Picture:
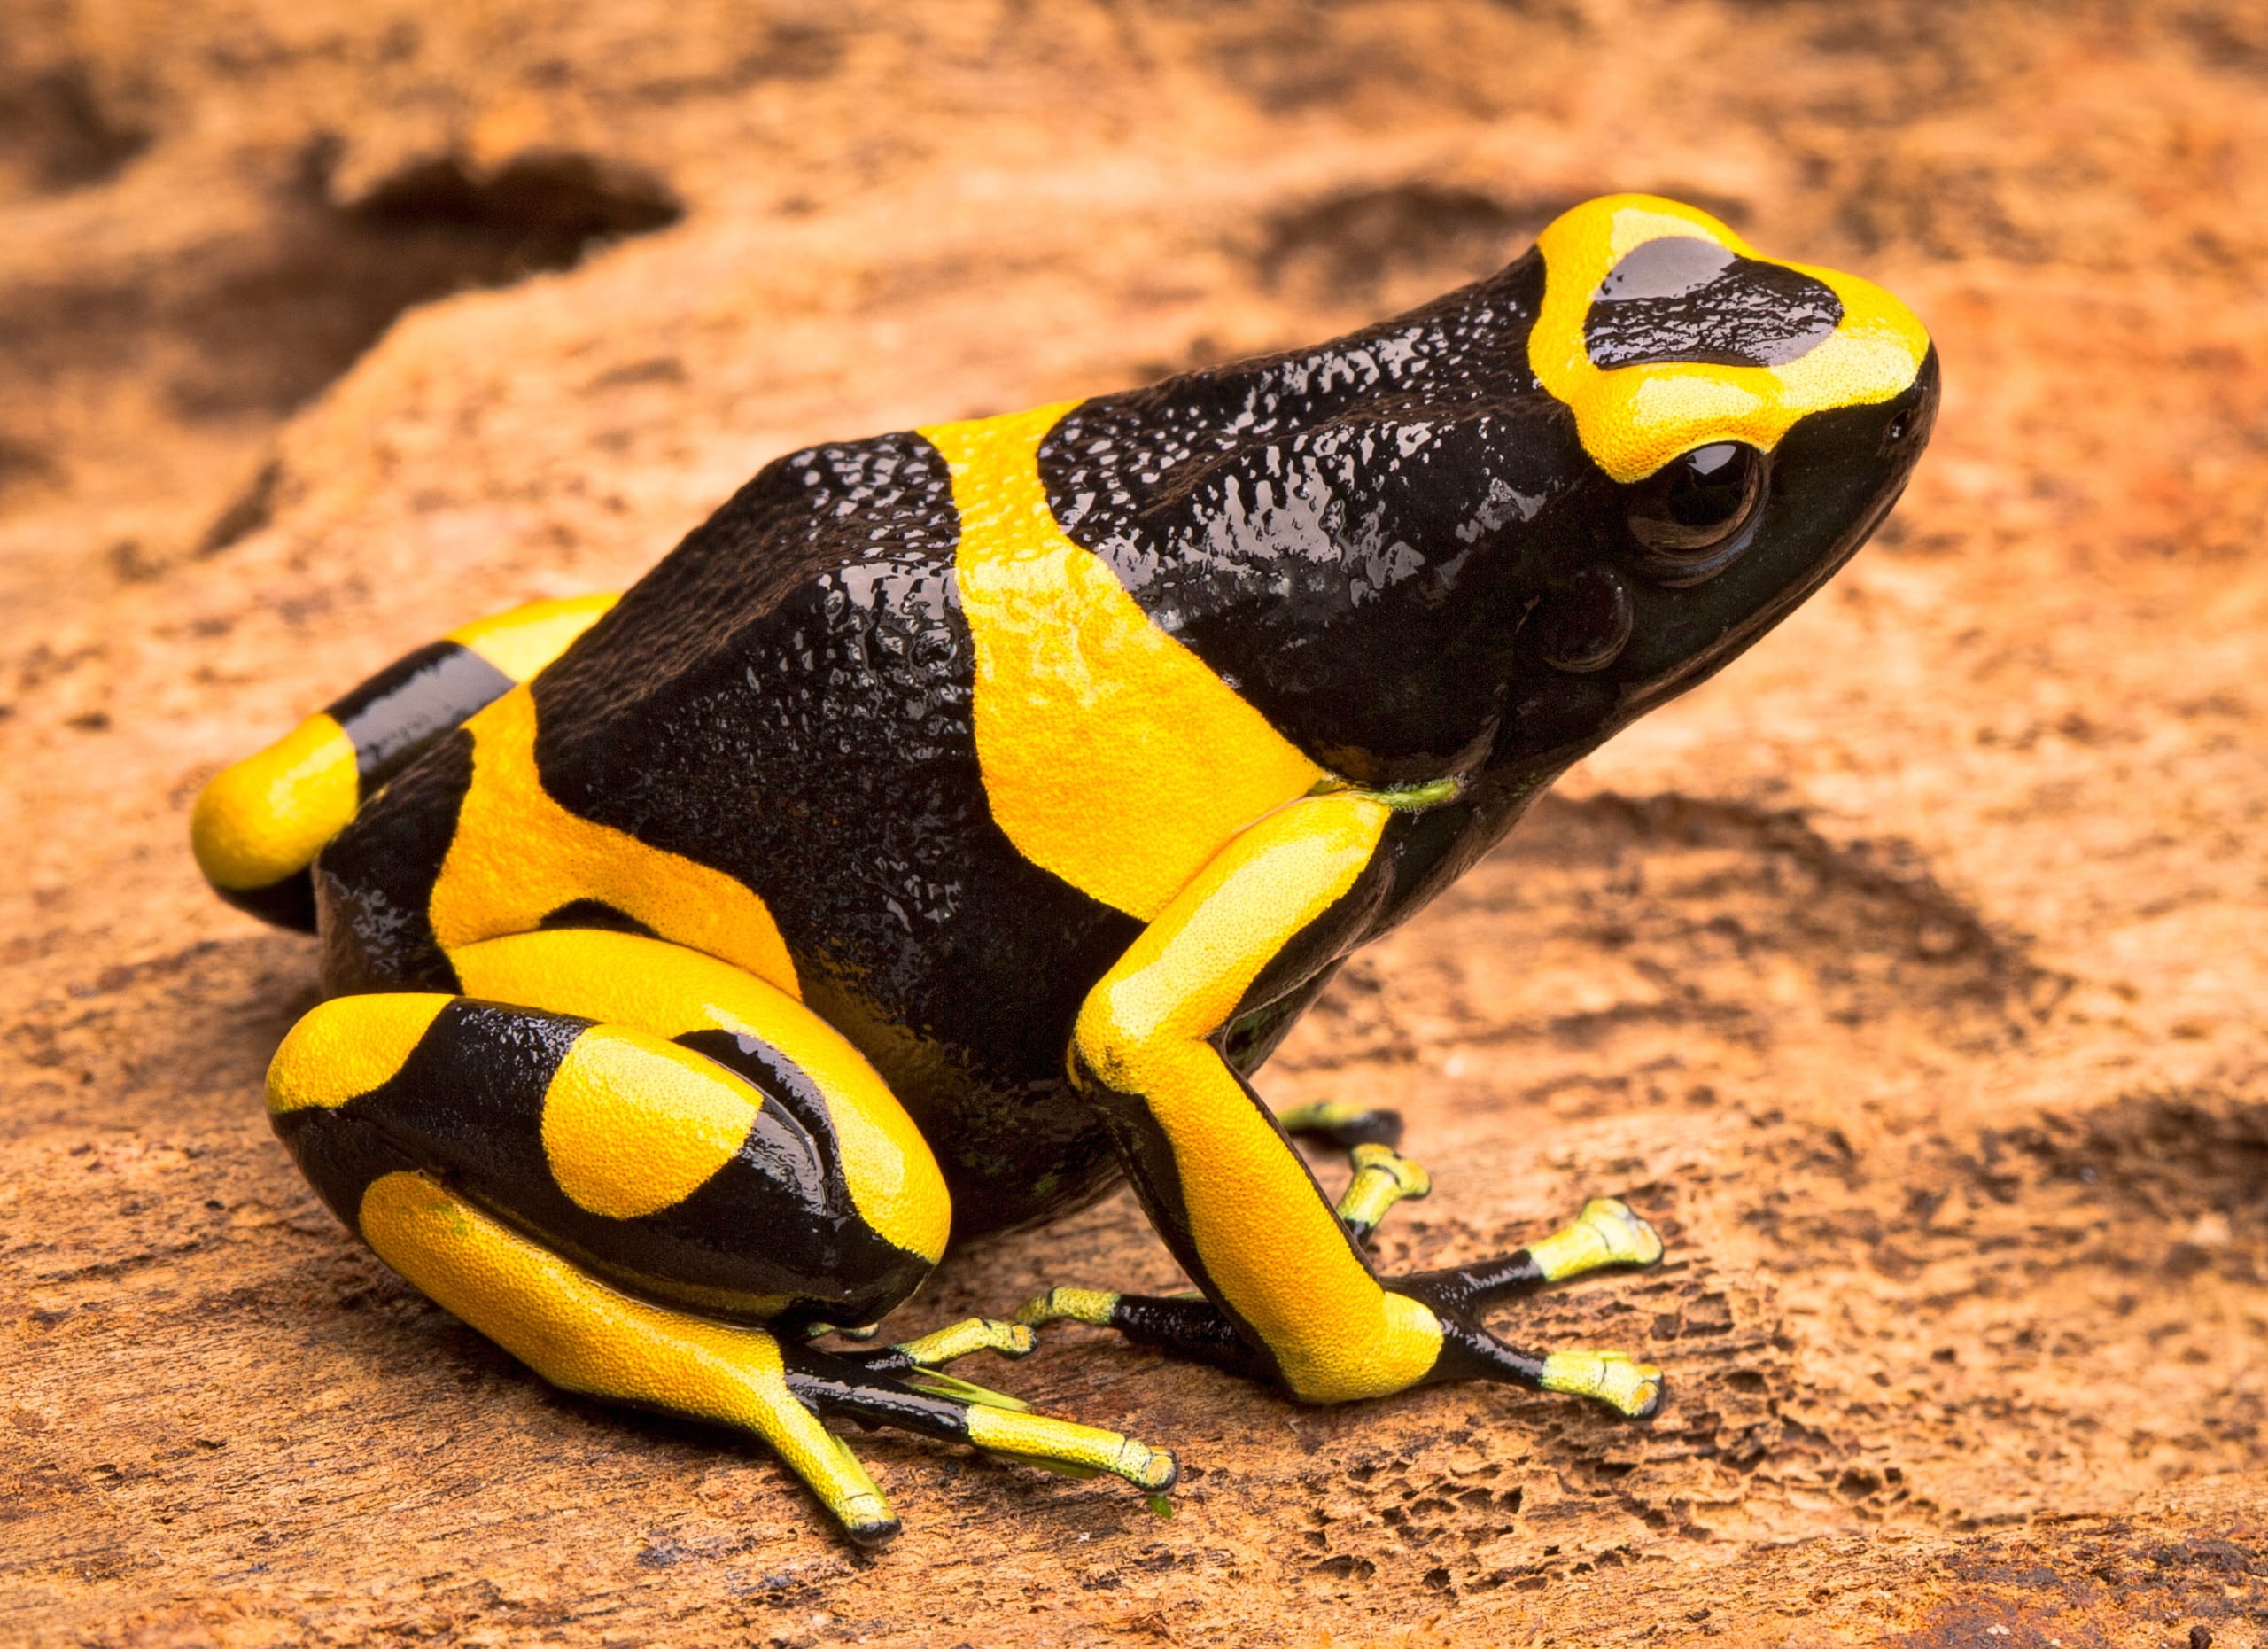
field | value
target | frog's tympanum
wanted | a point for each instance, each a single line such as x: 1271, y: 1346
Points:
x: 956, y: 821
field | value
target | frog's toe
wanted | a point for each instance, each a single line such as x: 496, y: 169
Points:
x: 1383, y: 1176
x: 1614, y: 1378
x: 1606, y: 1235
x: 960, y: 1340
x: 1628, y: 1386
x: 1607, y: 1232
x: 1092, y: 1306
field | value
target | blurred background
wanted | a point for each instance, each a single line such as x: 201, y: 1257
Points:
x: 1909, y: 973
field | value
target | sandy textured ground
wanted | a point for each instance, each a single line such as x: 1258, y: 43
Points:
x: 1909, y: 973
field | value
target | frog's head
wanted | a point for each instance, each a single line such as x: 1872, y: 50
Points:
x: 1744, y: 424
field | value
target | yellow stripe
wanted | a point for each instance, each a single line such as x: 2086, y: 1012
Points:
x: 1269, y: 1243
x: 582, y: 1335
x: 1111, y: 754
x: 666, y: 991
x: 349, y: 1046
x: 270, y: 814
x: 632, y: 1124
x: 1634, y: 420
x: 522, y: 641
x: 517, y: 855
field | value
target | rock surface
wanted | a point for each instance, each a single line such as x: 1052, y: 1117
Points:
x: 1908, y: 974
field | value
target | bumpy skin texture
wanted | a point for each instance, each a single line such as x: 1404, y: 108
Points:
x: 1032, y: 774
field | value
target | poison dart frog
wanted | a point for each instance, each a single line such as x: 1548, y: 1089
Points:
x: 954, y: 822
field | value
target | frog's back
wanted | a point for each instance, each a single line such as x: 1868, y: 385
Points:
x: 786, y: 700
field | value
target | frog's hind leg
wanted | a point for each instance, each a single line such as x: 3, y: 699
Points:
x: 649, y: 1186
x: 259, y: 825
x: 583, y: 1334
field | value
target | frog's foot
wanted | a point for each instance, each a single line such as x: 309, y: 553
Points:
x: 937, y: 1405
x: 1342, y: 1124
x: 1469, y: 1351
x: 1192, y: 1327
x: 1383, y: 1176
x: 1606, y: 1235
x: 921, y: 1362
x: 1186, y: 1326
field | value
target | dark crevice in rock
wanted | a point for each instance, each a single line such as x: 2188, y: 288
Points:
x: 275, y: 329
x: 56, y: 135
x: 244, y: 514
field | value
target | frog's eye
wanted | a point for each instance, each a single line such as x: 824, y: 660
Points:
x: 1691, y: 515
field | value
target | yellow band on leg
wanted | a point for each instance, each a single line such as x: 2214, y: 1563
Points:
x: 522, y: 641
x: 1092, y: 1306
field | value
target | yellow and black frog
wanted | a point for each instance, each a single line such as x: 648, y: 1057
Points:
x: 956, y: 821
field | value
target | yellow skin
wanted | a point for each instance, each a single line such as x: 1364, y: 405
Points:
x: 1114, y: 757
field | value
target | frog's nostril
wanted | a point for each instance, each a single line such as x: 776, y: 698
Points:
x: 1910, y: 425
x: 1585, y: 626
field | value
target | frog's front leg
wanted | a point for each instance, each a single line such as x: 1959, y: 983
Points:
x: 1279, y: 1269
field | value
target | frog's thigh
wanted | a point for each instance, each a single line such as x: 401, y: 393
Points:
x: 743, y: 1176
x: 880, y: 1163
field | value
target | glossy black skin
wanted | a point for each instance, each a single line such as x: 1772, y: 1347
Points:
x: 787, y: 697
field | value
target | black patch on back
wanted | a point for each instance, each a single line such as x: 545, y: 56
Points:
x: 1684, y: 299
x: 391, y: 716
x: 1322, y: 527
x: 787, y: 699
x: 596, y: 914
